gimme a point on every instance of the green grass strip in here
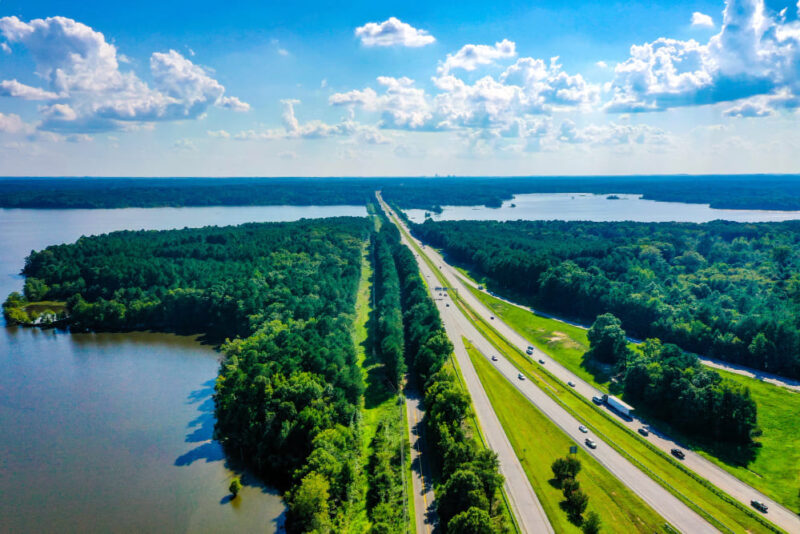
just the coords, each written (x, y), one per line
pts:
(538, 442)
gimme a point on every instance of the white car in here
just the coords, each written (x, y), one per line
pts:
(521, 376)
(590, 443)
(494, 358)
(583, 429)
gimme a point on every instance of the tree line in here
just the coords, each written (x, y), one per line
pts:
(389, 309)
(777, 192)
(726, 290)
(468, 493)
(672, 385)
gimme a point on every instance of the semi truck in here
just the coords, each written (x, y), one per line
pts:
(614, 403)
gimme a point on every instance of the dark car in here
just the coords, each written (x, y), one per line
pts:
(758, 505)
(643, 431)
(677, 453)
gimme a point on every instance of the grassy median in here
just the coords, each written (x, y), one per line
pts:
(725, 513)
(773, 468)
(538, 442)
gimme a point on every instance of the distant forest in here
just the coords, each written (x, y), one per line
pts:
(722, 289)
(773, 192)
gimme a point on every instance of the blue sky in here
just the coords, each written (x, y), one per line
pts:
(398, 88)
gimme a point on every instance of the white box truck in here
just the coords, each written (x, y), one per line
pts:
(617, 405)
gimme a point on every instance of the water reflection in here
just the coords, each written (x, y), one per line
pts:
(590, 207)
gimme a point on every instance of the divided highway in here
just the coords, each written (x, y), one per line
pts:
(526, 508)
(458, 326)
(737, 489)
(744, 493)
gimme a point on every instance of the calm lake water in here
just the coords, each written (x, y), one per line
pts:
(589, 207)
(112, 432)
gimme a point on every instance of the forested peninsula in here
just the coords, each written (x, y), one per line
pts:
(290, 389)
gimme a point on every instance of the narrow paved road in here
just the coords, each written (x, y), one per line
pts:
(424, 499)
(717, 476)
(458, 326)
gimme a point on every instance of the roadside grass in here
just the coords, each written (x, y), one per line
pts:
(380, 402)
(564, 342)
(718, 508)
(710, 502)
(538, 442)
(773, 468)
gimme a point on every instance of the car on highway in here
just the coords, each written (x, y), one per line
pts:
(541, 361)
(643, 431)
(480, 288)
(521, 376)
(529, 351)
(571, 384)
(597, 400)
(494, 358)
(447, 304)
(492, 317)
(590, 443)
(677, 453)
(760, 506)
(583, 429)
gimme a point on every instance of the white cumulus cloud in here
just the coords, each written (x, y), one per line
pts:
(753, 54)
(16, 89)
(392, 32)
(82, 70)
(471, 56)
(702, 20)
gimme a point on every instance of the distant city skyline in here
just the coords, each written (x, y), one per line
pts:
(394, 89)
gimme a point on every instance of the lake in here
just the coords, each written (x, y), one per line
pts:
(112, 432)
(590, 207)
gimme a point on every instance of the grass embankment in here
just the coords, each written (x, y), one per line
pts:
(538, 443)
(721, 510)
(564, 342)
(381, 403)
(773, 468)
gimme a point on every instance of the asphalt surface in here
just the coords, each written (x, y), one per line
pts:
(734, 487)
(424, 499)
(525, 505)
(457, 325)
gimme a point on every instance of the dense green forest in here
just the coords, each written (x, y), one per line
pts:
(780, 192)
(289, 388)
(727, 290)
(468, 492)
(672, 385)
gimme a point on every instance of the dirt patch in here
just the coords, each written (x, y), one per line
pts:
(560, 338)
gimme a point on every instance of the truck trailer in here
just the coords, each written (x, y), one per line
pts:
(617, 405)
